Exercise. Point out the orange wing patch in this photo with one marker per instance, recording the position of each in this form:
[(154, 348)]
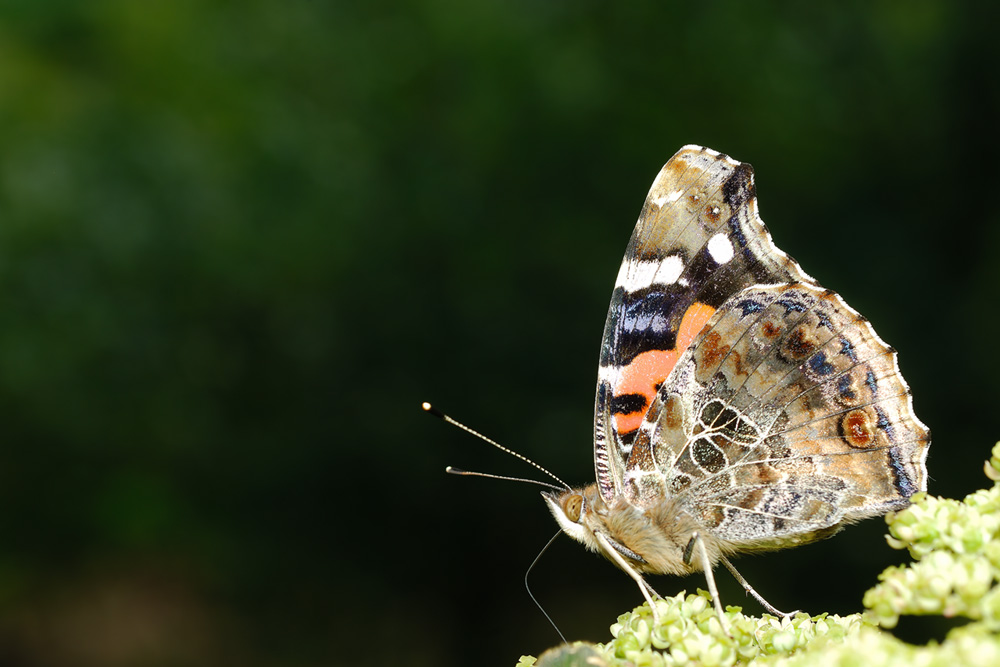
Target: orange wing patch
[(647, 371)]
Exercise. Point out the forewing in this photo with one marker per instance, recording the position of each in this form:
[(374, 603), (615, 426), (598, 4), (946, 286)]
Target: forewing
[(698, 242)]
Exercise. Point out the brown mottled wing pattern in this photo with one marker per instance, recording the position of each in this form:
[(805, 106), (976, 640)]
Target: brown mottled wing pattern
[(698, 242), (786, 418)]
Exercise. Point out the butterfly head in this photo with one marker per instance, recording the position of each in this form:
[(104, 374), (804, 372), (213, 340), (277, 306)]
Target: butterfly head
[(570, 509), (583, 515)]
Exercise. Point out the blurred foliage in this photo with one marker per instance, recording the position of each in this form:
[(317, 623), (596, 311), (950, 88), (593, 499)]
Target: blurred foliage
[(240, 243)]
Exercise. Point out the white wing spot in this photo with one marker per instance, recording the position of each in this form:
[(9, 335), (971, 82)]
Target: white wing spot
[(720, 248), (637, 275), (670, 270)]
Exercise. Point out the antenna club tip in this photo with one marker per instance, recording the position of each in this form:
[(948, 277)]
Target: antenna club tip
[(431, 409)]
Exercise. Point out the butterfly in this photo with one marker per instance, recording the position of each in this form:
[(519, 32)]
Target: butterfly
[(740, 406)]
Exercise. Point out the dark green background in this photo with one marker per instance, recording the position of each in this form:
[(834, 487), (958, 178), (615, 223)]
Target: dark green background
[(240, 242)]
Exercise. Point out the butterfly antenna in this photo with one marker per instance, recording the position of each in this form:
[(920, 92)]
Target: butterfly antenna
[(532, 595), (455, 471), (452, 470)]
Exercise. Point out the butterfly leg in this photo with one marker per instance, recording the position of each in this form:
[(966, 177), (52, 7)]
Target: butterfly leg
[(749, 589), (706, 565), (647, 590), (652, 591)]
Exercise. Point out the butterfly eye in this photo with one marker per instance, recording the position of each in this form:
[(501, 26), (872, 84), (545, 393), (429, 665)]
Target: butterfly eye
[(573, 507)]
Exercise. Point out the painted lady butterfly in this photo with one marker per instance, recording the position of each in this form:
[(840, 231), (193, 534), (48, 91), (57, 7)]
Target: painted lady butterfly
[(740, 406)]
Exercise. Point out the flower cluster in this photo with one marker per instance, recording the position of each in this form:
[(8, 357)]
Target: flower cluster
[(689, 633), (956, 546)]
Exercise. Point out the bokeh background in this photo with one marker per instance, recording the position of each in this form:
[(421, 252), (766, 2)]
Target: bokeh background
[(241, 242)]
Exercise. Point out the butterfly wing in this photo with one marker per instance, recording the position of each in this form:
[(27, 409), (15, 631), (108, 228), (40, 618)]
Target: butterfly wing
[(697, 243), (794, 419)]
